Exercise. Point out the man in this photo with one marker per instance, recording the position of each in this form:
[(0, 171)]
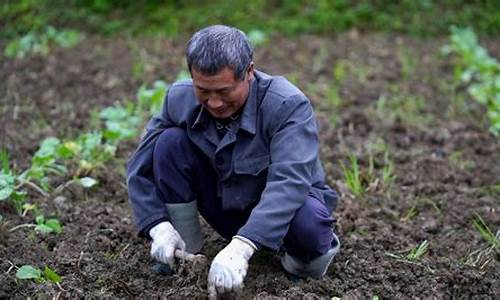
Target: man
[(239, 147)]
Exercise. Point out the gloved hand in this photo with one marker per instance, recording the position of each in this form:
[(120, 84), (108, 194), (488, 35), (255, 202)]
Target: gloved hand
[(229, 267), (165, 240)]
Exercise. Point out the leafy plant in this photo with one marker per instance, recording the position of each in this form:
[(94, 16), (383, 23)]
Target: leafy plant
[(121, 123), (475, 68), (151, 100), (47, 225), (28, 272), (40, 43), (44, 162)]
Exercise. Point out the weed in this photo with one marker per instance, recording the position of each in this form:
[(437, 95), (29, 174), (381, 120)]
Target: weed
[(411, 213), (407, 60), (486, 233), (388, 170), (408, 109), (352, 176), (457, 159), (417, 252), (413, 254), (482, 257)]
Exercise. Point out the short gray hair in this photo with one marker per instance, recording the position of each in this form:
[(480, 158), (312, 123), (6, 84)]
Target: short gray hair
[(216, 47)]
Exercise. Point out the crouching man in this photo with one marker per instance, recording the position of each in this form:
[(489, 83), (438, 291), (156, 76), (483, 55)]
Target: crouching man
[(240, 148)]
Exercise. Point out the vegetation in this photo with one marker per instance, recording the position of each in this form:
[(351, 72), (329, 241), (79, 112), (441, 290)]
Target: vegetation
[(476, 69), (40, 43), (28, 272), (175, 17)]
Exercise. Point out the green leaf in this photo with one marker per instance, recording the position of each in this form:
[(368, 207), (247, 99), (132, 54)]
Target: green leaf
[(43, 228), (28, 272), (88, 182), (54, 225), (51, 275), (40, 219)]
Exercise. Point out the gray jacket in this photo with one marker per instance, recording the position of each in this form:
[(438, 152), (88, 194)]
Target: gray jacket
[(272, 163)]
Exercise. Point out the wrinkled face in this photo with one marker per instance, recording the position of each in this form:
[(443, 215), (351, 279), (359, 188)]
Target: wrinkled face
[(222, 94)]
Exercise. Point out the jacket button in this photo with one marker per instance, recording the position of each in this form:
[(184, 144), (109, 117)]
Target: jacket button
[(219, 160)]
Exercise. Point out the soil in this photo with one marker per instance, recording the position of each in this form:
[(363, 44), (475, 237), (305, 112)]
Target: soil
[(445, 162)]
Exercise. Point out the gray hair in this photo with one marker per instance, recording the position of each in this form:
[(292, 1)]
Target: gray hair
[(216, 47)]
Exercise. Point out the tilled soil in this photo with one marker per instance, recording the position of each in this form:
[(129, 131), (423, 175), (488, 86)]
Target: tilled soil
[(445, 165)]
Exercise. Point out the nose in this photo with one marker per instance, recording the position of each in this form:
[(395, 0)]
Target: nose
[(214, 103)]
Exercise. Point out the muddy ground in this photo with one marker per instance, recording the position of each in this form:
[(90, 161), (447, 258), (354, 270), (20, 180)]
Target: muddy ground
[(445, 162)]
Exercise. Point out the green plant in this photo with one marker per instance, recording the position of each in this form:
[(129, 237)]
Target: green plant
[(409, 109), (475, 68), (407, 60), (28, 272), (10, 188), (414, 254), (151, 100), (352, 176), (47, 225), (482, 257), (486, 233), (40, 43), (419, 251), (388, 170), (44, 162), (121, 123)]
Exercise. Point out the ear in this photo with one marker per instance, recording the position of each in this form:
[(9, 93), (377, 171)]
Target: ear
[(250, 71)]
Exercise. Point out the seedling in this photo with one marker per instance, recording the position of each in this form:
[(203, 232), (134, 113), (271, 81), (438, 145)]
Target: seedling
[(482, 257), (419, 251), (486, 233), (413, 254), (388, 171), (28, 272), (44, 162), (352, 176), (42, 225), (47, 226)]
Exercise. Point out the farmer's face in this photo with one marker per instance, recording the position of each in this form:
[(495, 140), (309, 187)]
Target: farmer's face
[(222, 94)]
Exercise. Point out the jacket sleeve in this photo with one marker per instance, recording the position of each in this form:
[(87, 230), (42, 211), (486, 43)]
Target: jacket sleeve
[(294, 152), (147, 207)]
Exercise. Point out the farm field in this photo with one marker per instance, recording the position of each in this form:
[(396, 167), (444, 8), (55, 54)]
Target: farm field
[(429, 171)]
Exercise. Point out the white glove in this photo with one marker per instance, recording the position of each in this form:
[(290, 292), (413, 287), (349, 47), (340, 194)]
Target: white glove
[(165, 241), (229, 267)]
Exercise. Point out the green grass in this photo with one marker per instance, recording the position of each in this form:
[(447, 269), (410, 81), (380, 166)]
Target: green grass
[(414, 254), (352, 176), (172, 18)]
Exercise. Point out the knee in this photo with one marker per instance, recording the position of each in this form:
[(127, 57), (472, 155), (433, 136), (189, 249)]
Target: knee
[(312, 229), (171, 141)]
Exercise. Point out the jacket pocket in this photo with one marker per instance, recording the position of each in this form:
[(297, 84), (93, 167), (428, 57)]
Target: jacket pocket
[(252, 165), (244, 188)]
